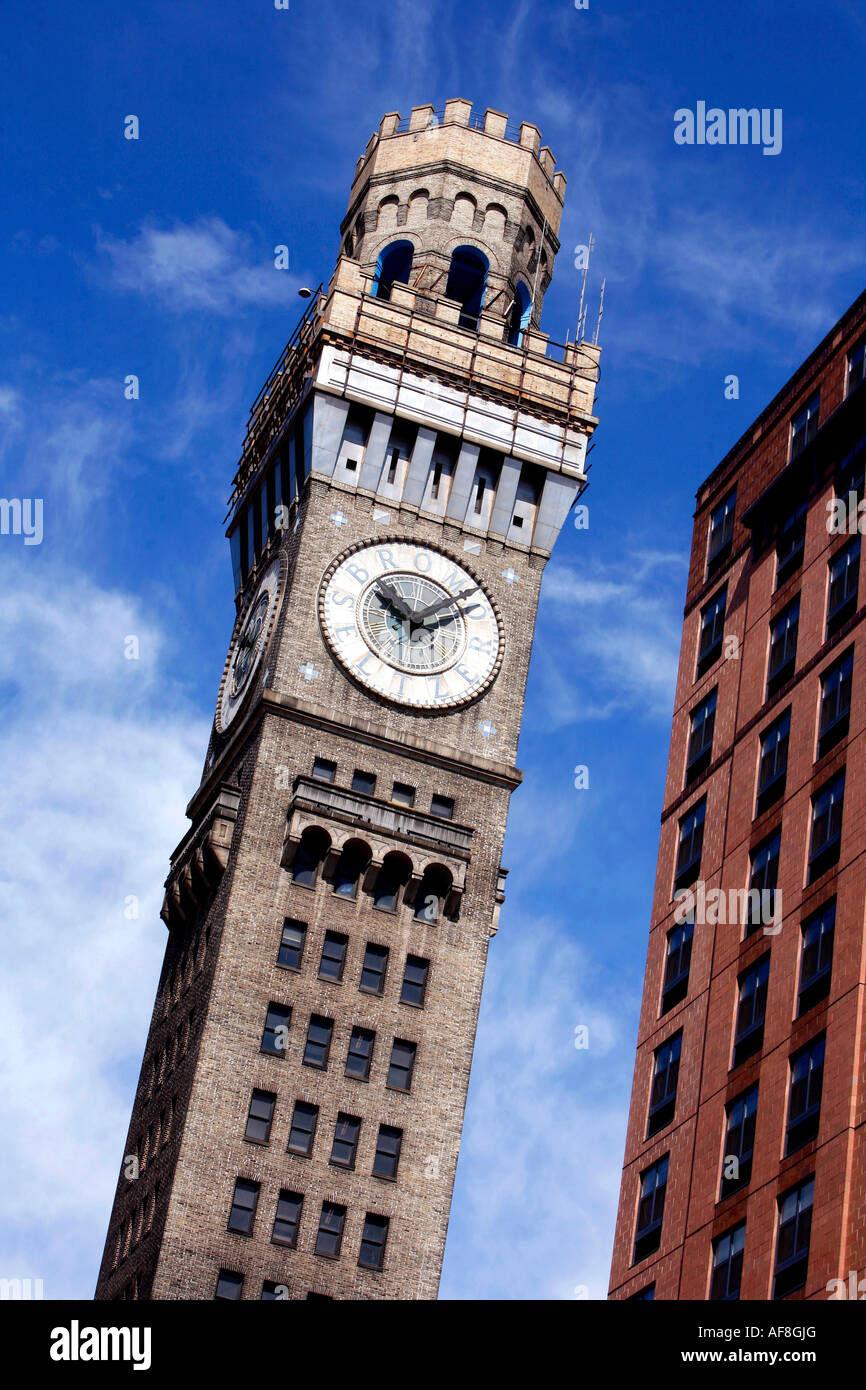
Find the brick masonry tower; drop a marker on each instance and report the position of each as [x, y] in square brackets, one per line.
[408, 466]
[745, 1163]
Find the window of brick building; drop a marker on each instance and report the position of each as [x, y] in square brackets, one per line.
[740, 1119]
[844, 585]
[773, 763]
[414, 985]
[712, 631]
[303, 1130]
[763, 880]
[275, 1032]
[816, 960]
[229, 1285]
[690, 845]
[333, 958]
[287, 1219]
[728, 1264]
[701, 729]
[345, 1146]
[360, 1055]
[792, 1242]
[329, 1238]
[401, 1066]
[651, 1210]
[373, 1240]
[242, 1213]
[663, 1091]
[826, 839]
[804, 425]
[751, 1011]
[804, 1101]
[791, 544]
[387, 1157]
[835, 712]
[721, 533]
[292, 944]
[783, 647]
[374, 969]
[678, 959]
[856, 366]
[260, 1117]
[318, 1045]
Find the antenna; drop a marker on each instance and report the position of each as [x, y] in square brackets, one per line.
[589, 247]
[600, 310]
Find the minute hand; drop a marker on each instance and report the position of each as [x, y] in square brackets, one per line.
[421, 613]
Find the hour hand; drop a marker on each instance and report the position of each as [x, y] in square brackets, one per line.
[391, 596]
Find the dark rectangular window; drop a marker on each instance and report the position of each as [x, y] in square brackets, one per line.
[345, 1145]
[387, 1156]
[229, 1285]
[741, 1118]
[324, 770]
[415, 981]
[844, 585]
[651, 1210]
[275, 1036]
[663, 1093]
[287, 1219]
[401, 1066]
[260, 1117]
[728, 1264]
[792, 1242]
[318, 1044]
[364, 782]
[804, 1103]
[303, 1130]
[804, 425]
[333, 959]
[712, 631]
[272, 1291]
[702, 728]
[360, 1055]
[790, 544]
[773, 765]
[850, 478]
[816, 960]
[372, 1252]
[242, 1213]
[763, 878]
[442, 806]
[690, 846]
[783, 647]
[329, 1238]
[856, 362]
[645, 1295]
[404, 794]
[835, 713]
[678, 961]
[826, 839]
[721, 533]
[751, 1011]
[374, 968]
[292, 944]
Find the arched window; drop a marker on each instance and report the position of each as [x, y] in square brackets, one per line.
[467, 281]
[521, 312]
[392, 876]
[308, 858]
[353, 860]
[433, 889]
[393, 267]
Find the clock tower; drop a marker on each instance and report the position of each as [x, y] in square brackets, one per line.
[407, 468]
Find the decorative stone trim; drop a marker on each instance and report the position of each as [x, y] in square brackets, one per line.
[200, 859]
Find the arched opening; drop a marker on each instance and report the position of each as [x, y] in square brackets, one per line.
[393, 875]
[309, 857]
[467, 281]
[433, 889]
[353, 860]
[393, 267]
[521, 312]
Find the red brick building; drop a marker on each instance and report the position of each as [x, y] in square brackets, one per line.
[745, 1162]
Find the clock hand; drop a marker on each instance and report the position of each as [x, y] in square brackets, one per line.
[422, 613]
[390, 596]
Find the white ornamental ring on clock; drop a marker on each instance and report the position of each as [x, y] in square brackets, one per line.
[249, 640]
[411, 624]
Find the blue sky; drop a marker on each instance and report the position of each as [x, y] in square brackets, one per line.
[155, 257]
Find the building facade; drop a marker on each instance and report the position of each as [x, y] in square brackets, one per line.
[745, 1162]
[408, 466]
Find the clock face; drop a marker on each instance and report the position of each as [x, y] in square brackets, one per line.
[248, 645]
[411, 624]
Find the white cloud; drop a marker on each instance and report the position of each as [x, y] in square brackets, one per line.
[538, 1180]
[610, 637]
[204, 265]
[99, 757]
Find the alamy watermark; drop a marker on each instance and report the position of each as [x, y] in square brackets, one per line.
[730, 906]
[22, 516]
[737, 126]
